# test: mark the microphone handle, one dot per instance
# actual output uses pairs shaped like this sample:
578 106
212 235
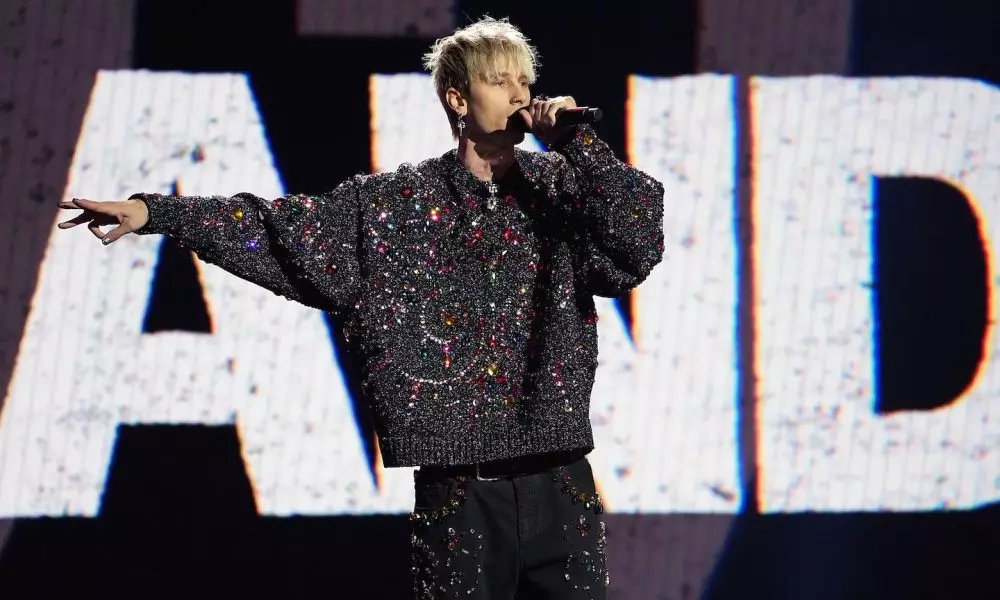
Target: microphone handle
567 117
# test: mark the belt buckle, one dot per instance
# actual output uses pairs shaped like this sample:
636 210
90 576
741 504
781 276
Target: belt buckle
479 477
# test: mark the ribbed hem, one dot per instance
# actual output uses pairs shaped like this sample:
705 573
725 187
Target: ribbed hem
413 452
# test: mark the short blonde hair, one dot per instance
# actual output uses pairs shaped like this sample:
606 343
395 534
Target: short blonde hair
482 49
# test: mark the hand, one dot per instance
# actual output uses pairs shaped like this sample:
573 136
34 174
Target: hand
540 117
129 215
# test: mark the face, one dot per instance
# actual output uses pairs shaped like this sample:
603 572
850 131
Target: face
491 102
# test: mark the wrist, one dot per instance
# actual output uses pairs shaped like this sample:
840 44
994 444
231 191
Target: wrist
141 209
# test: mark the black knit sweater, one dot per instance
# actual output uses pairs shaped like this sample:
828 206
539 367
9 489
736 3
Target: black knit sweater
470 304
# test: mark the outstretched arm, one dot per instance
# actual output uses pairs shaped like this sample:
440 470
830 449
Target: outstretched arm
301 247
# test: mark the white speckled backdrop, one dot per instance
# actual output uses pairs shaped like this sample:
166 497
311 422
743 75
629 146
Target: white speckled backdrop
742 383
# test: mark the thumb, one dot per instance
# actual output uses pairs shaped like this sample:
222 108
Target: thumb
116 233
526 115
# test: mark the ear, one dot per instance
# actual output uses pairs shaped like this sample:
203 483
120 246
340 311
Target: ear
455 99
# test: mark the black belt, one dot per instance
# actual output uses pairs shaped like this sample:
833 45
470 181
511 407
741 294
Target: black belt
505 469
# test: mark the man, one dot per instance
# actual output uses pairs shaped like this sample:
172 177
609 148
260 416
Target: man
466 283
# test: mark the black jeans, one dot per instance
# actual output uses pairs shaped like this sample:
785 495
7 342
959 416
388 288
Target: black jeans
526 537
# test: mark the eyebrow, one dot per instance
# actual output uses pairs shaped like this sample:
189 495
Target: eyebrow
503 74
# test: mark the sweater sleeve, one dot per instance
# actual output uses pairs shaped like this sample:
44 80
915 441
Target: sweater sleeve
302 247
615 212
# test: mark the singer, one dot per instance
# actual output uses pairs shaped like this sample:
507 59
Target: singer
466 284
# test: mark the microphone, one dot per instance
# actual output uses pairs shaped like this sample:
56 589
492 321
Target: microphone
566 117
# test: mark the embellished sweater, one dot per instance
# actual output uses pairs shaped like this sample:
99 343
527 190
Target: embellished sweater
469 303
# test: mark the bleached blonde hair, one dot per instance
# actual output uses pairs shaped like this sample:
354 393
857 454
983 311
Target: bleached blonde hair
480 50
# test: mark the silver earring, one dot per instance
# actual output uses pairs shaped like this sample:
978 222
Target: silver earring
461 125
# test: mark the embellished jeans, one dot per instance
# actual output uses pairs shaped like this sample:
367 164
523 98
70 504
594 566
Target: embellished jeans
526 537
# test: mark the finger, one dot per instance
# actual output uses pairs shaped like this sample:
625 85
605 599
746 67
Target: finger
105 208
550 115
95 228
536 111
77 220
67 204
543 111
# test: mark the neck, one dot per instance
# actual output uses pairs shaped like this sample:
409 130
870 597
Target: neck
485 162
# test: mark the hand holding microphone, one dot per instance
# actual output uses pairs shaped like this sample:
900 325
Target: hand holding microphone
549 118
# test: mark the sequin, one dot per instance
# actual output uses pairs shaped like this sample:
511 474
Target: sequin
586 566
451 504
426 257
446 562
449 567
590 502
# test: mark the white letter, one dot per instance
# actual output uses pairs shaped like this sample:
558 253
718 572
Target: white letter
819 141
664 411
84 367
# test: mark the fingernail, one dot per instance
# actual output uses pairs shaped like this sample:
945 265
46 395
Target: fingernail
106 241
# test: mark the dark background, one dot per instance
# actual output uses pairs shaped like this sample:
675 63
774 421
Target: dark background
150 540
